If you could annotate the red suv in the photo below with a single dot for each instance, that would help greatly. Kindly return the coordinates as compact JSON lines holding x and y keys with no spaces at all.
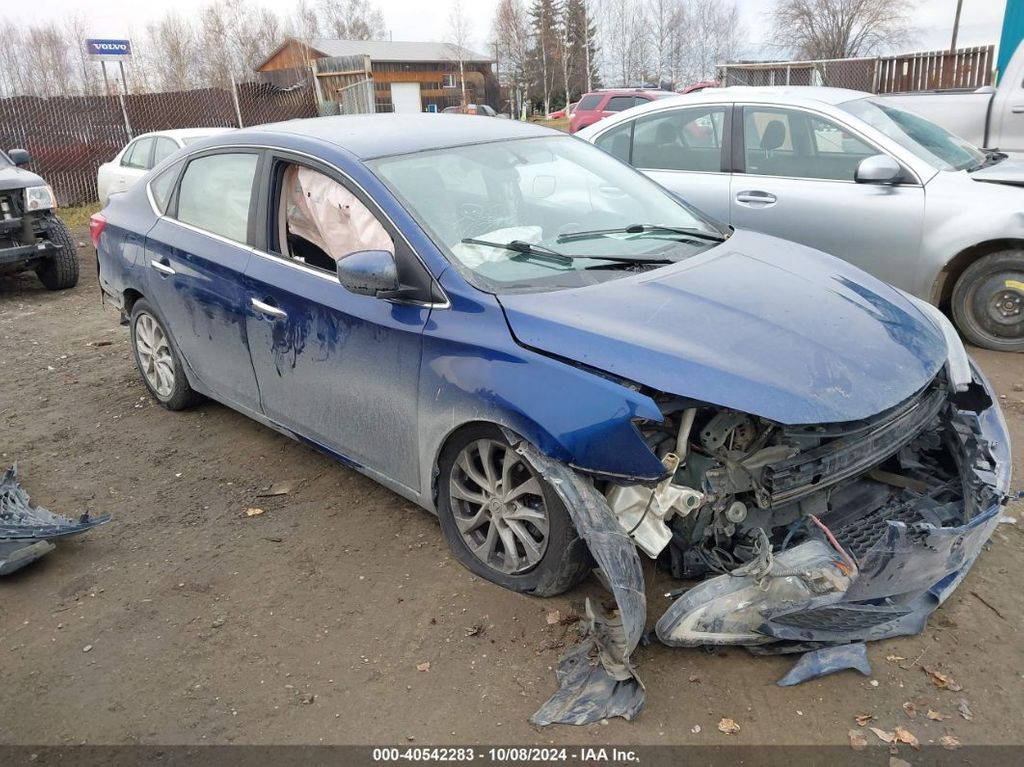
{"x":600,"y":104}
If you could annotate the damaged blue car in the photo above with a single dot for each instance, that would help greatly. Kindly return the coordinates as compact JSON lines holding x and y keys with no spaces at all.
{"x":573,"y":369}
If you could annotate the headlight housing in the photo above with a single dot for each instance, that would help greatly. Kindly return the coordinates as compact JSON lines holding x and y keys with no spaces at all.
{"x":958,"y":363}
{"x":39,"y":198}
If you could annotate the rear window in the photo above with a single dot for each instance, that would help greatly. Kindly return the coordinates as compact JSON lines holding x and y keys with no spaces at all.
{"x":618,"y":103}
{"x":589,"y":102}
{"x":215,"y":194}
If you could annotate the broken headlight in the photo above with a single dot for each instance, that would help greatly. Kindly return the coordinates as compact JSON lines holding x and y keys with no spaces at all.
{"x":39,"y":198}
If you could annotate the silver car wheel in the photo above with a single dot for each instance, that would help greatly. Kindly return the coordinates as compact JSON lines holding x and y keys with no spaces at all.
{"x":498,"y":505}
{"x":154,"y":351}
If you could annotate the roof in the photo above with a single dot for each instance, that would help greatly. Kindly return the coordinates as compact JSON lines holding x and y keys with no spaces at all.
{"x":385,"y":50}
{"x":790,"y":92}
{"x":380,"y":135}
{"x":188,"y":133}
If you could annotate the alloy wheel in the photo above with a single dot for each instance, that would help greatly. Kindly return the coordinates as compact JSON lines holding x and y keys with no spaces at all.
{"x":154,"y":350}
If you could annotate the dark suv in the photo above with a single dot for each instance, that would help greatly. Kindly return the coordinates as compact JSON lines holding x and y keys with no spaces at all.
{"x":31,"y":235}
{"x":600,"y":104}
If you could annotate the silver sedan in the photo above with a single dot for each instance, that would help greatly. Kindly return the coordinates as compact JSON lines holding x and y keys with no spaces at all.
{"x":848,"y":173}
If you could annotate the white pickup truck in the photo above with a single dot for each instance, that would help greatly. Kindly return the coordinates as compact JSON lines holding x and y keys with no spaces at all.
{"x":992,"y":118}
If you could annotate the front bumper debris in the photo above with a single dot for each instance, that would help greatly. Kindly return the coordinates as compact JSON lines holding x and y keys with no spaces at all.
{"x":26,"y":531}
{"x":873,"y":573}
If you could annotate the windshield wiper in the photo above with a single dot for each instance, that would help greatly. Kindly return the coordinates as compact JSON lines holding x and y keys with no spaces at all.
{"x":542,"y":251}
{"x":640,"y":229}
{"x":991,"y":158}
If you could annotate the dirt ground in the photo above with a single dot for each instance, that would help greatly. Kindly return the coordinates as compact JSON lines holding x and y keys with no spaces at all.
{"x":183,"y":621}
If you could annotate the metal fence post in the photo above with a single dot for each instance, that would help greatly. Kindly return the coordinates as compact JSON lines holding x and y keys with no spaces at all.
{"x":234,"y":100}
{"x":124,"y":114}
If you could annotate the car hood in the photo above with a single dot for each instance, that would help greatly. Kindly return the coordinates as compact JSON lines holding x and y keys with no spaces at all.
{"x":16,"y":178}
{"x":1009,"y":171}
{"x":758,"y":324}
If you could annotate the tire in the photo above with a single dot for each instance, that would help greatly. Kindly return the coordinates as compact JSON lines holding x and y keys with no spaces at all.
{"x":59,"y":271}
{"x":156,"y":357}
{"x":988,"y":301}
{"x":564,"y":559}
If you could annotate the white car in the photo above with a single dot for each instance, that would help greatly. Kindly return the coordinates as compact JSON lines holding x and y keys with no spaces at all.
{"x":141,"y":154}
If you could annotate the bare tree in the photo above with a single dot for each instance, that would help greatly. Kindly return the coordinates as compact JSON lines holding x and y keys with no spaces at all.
{"x":174,"y":67}
{"x":837,"y":29}
{"x":626,"y":42}
{"x":352,"y":20}
{"x":510,"y":32}
{"x":713,"y":34}
{"x":458,"y":40}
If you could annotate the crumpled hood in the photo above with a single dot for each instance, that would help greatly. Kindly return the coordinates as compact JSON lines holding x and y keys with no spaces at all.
{"x":16,"y":178}
{"x":1010,"y":171}
{"x":758,"y":324}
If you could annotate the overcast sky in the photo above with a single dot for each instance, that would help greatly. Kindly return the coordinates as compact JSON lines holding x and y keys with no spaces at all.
{"x":414,"y":20}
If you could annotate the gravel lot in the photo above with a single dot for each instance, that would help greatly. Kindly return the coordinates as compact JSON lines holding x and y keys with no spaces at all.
{"x":186,"y":621}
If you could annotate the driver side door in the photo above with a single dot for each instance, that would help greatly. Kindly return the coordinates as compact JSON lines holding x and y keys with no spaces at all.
{"x":795,"y":179}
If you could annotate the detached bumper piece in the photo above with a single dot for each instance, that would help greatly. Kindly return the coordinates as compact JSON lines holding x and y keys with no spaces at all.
{"x":26,"y":531}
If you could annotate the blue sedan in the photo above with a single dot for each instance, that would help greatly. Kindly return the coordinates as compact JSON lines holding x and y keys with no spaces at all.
{"x":571,"y":367}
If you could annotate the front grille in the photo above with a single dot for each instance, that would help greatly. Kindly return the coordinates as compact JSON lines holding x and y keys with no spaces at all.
{"x":849,"y":456}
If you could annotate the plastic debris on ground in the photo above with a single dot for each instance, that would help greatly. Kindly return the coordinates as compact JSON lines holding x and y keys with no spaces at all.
{"x":828,"y":660}
{"x":26,"y":530}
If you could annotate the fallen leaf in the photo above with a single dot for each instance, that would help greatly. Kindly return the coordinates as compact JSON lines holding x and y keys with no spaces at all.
{"x":894,"y":658}
{"x":935,"y":716}
{"x":728,"y":726}
{"x":475,"y":630}
{"x":253,"y":512}
{"x":906,"y":736}
{"x":863,"y":719}
{"x":554,"y":616}
{"x":857,"y":741}
{"x":965,"y":710}
{"x":949,"y":742}
{"x":942,"y":680}
{"x":885,"y":737}
{"x":910,"y":710}
{"x":424,"y":666}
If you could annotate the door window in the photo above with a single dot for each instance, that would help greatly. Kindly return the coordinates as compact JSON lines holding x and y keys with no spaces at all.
{"x":797,"y":144}
{"x":137,"y":155}
{"x":165,"y":147}
{"x":321,"y":221}
{"x":616,"y":141}
{"x":589,"y":103}
{"x":618,"y":103}
{"x":680,"y":139}
{"x":215,"y":194}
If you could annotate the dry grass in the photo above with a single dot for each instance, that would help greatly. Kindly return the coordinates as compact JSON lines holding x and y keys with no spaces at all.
{"x":78,"y":215}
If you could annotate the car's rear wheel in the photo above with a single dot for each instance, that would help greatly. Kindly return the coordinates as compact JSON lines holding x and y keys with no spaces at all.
{"x":502,"y":520}
{"x":988,"y":301}
{"x":158,"y":360}
{"x":59,"y":271}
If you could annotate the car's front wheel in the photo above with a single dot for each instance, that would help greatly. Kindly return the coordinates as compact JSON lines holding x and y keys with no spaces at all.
{"x":988,"y":301}
{"x":502,"y":520}
{"x":59,"y":271}
{"x":158,"y":360}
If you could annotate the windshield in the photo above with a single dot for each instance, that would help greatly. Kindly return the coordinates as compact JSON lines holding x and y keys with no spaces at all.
{"x":543,"y":213}
{"x":932,"y":143}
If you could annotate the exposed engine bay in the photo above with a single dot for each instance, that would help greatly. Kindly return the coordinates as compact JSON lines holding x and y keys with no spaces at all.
{"x":802,"y":538}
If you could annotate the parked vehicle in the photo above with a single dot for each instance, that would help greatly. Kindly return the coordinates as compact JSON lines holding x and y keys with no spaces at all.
{"x":525,"y":336}
{"x":471,"y":109}
{"x":141,"y":154}
{"x":990,"y":117}
{"x":598,"y":105}
{"x":853,"y":175}
{"x":562,"y":113}
{"x":32,"y":236}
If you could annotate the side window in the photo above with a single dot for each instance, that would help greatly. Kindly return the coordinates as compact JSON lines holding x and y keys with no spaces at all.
{"x":589,"y":103}
{"x":162,"y":186}
{"x":680,"y":139}
{"x":618,"y":103}
{"x":137,"y":155}
{"x":320,"y":221}
{"x":216,"y":192}
{"x":616,"y":141}
{"x":789,"y":142}
{"x":165,"y":147}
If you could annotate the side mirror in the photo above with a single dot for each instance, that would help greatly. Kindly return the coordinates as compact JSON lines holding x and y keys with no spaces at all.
{"x":369,"y":273}
{"x":20,"y":157}
{"x":878,"y":169}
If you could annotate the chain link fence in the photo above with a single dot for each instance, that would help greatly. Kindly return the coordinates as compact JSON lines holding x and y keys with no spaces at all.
{"x":70,"y":137}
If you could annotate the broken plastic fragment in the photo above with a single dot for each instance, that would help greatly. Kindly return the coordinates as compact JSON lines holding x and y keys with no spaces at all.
{"x":813,"y":665}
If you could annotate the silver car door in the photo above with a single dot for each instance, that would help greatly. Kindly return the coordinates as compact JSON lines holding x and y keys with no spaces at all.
{"x":795,"y":180}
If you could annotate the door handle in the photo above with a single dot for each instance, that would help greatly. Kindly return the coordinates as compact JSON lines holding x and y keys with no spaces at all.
{"x":162,"y":268}
{"x":756,"y":199}
{"x":1019,"y":109}
{"x":269,"y":310}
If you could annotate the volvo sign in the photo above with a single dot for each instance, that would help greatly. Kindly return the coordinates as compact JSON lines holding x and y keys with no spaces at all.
{"x":109,"y":50}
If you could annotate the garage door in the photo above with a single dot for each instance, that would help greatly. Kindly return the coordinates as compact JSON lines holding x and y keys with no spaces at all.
{"x":406,"y":97}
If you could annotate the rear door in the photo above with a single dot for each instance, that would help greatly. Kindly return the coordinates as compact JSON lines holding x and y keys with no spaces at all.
{"x":338,"y":368}
{"x":795,"y":179}
{"x":195,"y":258}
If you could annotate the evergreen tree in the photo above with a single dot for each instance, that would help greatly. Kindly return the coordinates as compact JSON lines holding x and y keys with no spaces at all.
{"x":581,"y":34}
